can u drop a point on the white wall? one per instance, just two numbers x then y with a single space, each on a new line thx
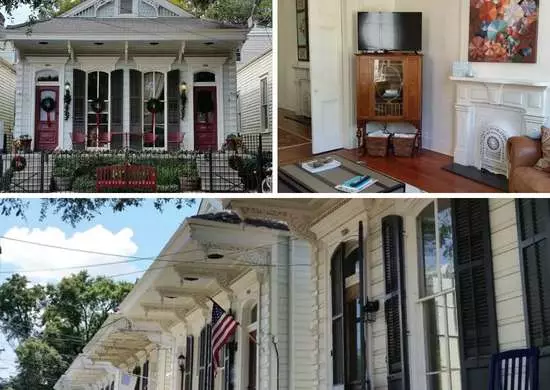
287 54
445 40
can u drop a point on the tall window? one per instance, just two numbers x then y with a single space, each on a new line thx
346 342
154 123
263 104
188 374
252 330
145 376
126 7
98 109
438 298
137 372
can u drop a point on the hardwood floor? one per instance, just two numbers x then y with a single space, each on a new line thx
423 171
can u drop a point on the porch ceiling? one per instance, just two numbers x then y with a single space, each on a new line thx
120 346
100 47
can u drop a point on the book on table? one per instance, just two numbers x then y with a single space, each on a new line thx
321 164
356 184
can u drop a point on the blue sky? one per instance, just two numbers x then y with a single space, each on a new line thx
141 232
20 15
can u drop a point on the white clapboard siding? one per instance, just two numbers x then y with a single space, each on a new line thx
229 97
258 41
301 300
7 95
248 88
507 274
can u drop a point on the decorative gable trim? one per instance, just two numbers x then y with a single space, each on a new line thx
99 3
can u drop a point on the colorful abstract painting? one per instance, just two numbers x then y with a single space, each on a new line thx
503 31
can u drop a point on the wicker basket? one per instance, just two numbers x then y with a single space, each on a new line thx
377 146
404 147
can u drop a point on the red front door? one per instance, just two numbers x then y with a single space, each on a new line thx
206 118
46 123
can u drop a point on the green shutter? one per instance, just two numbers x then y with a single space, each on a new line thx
79 101
475 294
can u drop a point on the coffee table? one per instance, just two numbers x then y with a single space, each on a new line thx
293 178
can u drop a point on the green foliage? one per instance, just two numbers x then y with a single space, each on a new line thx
53 323
229 11
20 306
39 365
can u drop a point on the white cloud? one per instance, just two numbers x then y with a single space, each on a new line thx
24 257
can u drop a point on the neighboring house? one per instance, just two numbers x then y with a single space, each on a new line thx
125 64
456 281
246 266
7 102
255 85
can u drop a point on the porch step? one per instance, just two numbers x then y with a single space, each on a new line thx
224 179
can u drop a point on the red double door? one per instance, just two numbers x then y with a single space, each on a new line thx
46 126
206 118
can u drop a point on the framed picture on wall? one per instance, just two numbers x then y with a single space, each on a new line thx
503 31
302 30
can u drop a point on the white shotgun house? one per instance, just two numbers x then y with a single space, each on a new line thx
161 333
445 285
113 74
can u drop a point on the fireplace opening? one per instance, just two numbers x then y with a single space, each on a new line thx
493 150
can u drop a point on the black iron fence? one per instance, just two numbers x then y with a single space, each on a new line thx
233 169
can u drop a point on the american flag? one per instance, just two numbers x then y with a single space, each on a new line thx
223 327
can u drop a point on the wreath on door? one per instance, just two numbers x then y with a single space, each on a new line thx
98 105
48 105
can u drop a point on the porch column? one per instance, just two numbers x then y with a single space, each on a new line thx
126 104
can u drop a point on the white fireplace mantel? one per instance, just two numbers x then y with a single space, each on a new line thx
505 106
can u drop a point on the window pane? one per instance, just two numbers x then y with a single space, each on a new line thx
428 249
456 380
438 381
445 227
92 85
126 6
435 334
148 86
104 86
159 86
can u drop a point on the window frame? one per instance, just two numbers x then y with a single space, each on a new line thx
425 299
144 111
106 111
264 103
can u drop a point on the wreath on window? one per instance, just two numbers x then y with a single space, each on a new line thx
18 163
98 105
154 105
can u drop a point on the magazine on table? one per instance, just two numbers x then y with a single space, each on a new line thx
321 164
356 184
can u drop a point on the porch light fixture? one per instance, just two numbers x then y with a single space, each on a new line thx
67 100
183 98
371 308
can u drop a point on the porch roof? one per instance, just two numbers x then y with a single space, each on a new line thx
161 28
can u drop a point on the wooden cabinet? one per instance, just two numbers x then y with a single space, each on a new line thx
389 89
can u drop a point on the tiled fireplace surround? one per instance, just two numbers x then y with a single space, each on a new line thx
489 111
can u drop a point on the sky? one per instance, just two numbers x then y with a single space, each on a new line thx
140 232
20 15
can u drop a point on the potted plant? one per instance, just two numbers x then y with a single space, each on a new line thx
62 174
189 177
233 142
25 142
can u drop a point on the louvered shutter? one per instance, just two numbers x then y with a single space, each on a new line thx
394 306
534 246
338 320
145 375
173 93
475 294
137 372
189 363
136 108
202 359
209 362
79 101
117 90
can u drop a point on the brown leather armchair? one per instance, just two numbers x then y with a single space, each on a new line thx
523 154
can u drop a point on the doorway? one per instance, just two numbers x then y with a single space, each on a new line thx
46 131
205 118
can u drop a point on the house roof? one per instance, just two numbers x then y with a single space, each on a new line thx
233 218
160 25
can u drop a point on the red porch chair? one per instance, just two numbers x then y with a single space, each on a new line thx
149 138
175 139
78 138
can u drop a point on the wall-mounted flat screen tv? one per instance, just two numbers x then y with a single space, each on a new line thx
391 31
